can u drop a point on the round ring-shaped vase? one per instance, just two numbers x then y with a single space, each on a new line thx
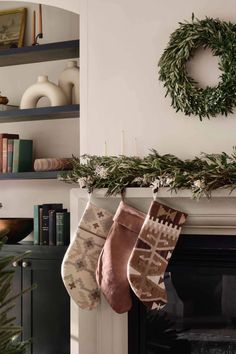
43 88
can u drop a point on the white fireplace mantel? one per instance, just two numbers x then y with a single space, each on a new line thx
102 331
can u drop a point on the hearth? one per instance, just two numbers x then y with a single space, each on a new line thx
201 313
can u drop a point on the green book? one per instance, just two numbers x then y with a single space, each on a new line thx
36 223
9 155
22 155
62 228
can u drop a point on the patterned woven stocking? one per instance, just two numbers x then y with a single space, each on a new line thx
152 252
112 264
80 261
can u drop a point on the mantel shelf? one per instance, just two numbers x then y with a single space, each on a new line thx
40 53
29 175
44 113
205 216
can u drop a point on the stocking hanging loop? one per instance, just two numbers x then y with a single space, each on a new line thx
122 194
154 193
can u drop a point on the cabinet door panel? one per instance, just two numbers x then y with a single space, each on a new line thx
46 309
16 289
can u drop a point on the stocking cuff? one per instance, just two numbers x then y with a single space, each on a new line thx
129 217
96 220
166 214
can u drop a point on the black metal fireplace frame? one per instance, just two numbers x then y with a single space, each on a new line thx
202 253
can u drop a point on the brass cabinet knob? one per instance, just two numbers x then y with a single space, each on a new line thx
15 264
25 264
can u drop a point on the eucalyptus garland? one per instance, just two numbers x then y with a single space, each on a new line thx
186 95
202 174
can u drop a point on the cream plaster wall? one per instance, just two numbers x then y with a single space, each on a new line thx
125 41
51 138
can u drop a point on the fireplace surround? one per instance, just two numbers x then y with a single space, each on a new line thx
207 240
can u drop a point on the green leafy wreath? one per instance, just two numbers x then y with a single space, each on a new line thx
220 37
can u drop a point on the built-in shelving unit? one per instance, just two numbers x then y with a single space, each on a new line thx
36 54
44 113
39 53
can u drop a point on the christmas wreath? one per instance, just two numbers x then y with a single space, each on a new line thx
187 96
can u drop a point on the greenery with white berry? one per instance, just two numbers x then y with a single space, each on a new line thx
201 174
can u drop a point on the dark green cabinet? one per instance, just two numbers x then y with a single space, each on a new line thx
44 313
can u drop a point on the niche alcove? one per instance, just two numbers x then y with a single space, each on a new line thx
44 313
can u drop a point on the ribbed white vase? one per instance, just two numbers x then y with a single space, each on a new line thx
43 88
69 82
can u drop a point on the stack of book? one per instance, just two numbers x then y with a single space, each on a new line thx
16 155
51 225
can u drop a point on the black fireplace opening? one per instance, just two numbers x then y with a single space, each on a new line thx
200 316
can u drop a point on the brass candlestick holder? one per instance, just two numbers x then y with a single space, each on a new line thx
39 35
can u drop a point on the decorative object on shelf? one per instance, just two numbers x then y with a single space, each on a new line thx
43 88
12 27
220 37
201 175
16 229
40 30
3 100
112 264
53 164
80 261
69 82
152 252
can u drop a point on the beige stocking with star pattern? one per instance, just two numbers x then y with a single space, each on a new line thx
80 261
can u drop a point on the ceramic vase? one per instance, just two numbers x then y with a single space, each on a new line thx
69 82
43 88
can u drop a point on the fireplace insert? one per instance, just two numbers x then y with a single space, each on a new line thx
200 316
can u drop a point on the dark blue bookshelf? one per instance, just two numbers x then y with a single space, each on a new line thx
30 175
44 113
40 53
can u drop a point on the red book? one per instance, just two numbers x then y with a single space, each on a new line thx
3 136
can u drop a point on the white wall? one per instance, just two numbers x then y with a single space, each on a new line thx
51 138
71 5
125 42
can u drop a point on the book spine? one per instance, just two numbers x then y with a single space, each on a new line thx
59 229
66 228
15 165
45 220
4 155
45 225
52 227
41 225
62 228
25 161
8 136
1 154
9 155
36 224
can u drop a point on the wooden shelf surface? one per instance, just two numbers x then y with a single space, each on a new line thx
44 113
30 175
39 53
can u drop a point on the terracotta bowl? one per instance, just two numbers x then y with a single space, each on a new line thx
17 228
